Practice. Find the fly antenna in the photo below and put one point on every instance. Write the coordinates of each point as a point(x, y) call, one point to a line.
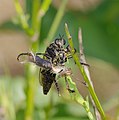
point(61, 36)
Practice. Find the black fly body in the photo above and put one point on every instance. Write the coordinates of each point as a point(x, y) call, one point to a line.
point(52, 64)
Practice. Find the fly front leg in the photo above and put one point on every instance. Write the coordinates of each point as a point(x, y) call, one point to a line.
point(64, 73)
point(68, 51)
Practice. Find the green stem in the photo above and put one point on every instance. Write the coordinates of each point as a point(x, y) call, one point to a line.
point(20, 12)
point(35, 9)
point(22, 18)
point(44, 7)
point(78, 98)
point(36, 25)
point(90, 88)
point(56, 21)
point(30, 90)
point(38, 13)
point(30, 71)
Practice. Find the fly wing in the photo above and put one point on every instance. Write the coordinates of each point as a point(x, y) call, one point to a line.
point(46, 79)
point(40, 77)
point(47, 83)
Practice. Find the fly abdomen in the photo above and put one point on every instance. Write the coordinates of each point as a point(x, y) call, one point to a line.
point(43, 63)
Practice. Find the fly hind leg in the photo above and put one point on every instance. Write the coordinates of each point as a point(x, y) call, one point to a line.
point(85, 64)
point(57, 87)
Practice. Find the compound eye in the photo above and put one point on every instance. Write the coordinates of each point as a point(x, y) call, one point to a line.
point(57, 41)
point(60, 42)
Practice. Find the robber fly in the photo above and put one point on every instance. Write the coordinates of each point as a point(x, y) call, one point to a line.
point(52, 64)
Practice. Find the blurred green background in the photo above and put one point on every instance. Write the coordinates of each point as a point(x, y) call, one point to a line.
point(99, 21)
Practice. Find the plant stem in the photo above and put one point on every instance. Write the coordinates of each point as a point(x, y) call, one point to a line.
point(22, 18)
point(78, 98)
point(90, 88)
point(37, 19)
point(34, 42)
point(56, 21)
point(30, 90)
point(44, 7)
point(35, 23)
point(30, 69)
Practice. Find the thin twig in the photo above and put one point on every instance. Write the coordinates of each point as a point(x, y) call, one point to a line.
point(83, 60)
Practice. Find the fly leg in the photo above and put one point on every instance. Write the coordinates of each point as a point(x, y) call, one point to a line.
point(85, 64)
point(67, 85)
point(68, 50)
point(57, 87)
point(44, 54)
point(65, 73)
